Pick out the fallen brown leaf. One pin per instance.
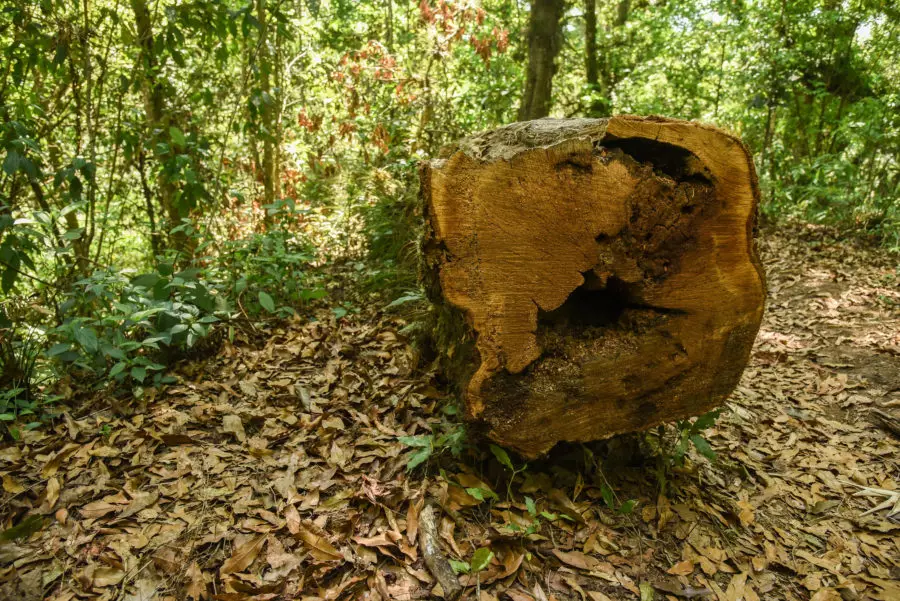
(243, 556)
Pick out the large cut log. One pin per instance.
(591, 276)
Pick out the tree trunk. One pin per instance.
(265, 66)
(591, 67)
(592, 276)
(157, 119)
(544, 42)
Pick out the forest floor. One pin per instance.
(275, 471)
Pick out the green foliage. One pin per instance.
(267, 272)
(691, 433)
(671, 453)
(503, 457)
(452, 440)
(117, 327)
(480, 560)
(28, 526)
(21, 373)
(124, 328)
(537, 520)
(166, 168)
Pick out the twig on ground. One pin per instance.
(885, 420)
(429, 543)
(891, 502)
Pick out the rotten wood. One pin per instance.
(592, 276)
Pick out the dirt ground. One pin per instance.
(276, 471)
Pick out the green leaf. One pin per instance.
(403, 300)
(87, 338)
(139, 315)
(339, 312)
(417, 441)
(417, 458)
(9, 278)
(530, 506)
(147, 280)
(679, 451)
(503, 457)
(188, 274)
(165, 268)
(608, 496)
(113, 352)
(12, 161)
(313, 293)
(138, 373)
(627, 507)
(703, 446)
(481, 493)
(176, 135)
(460, 567)
(23, 529)
(266, 301)
(117, 369)
(481, 559)
(705, 421)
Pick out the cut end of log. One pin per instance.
(601, 275)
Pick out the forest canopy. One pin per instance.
(173, 167)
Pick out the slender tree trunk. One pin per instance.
(389, 25)
(280, 84)
(71, 217)
(600, 73)
(591, 68)
(157, 119)
(148, 200)
(544, 42)
(264, 64)
(719, 79)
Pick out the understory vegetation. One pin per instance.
(228, 371)
(179, 170)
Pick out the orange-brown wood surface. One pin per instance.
(605, 269)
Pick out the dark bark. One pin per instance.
(544, 43)
(267, 137)
(590, 44)
(599, 106)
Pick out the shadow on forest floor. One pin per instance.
(275, 472)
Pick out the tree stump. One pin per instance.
(592, 276)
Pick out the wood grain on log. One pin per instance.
(603, 271)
